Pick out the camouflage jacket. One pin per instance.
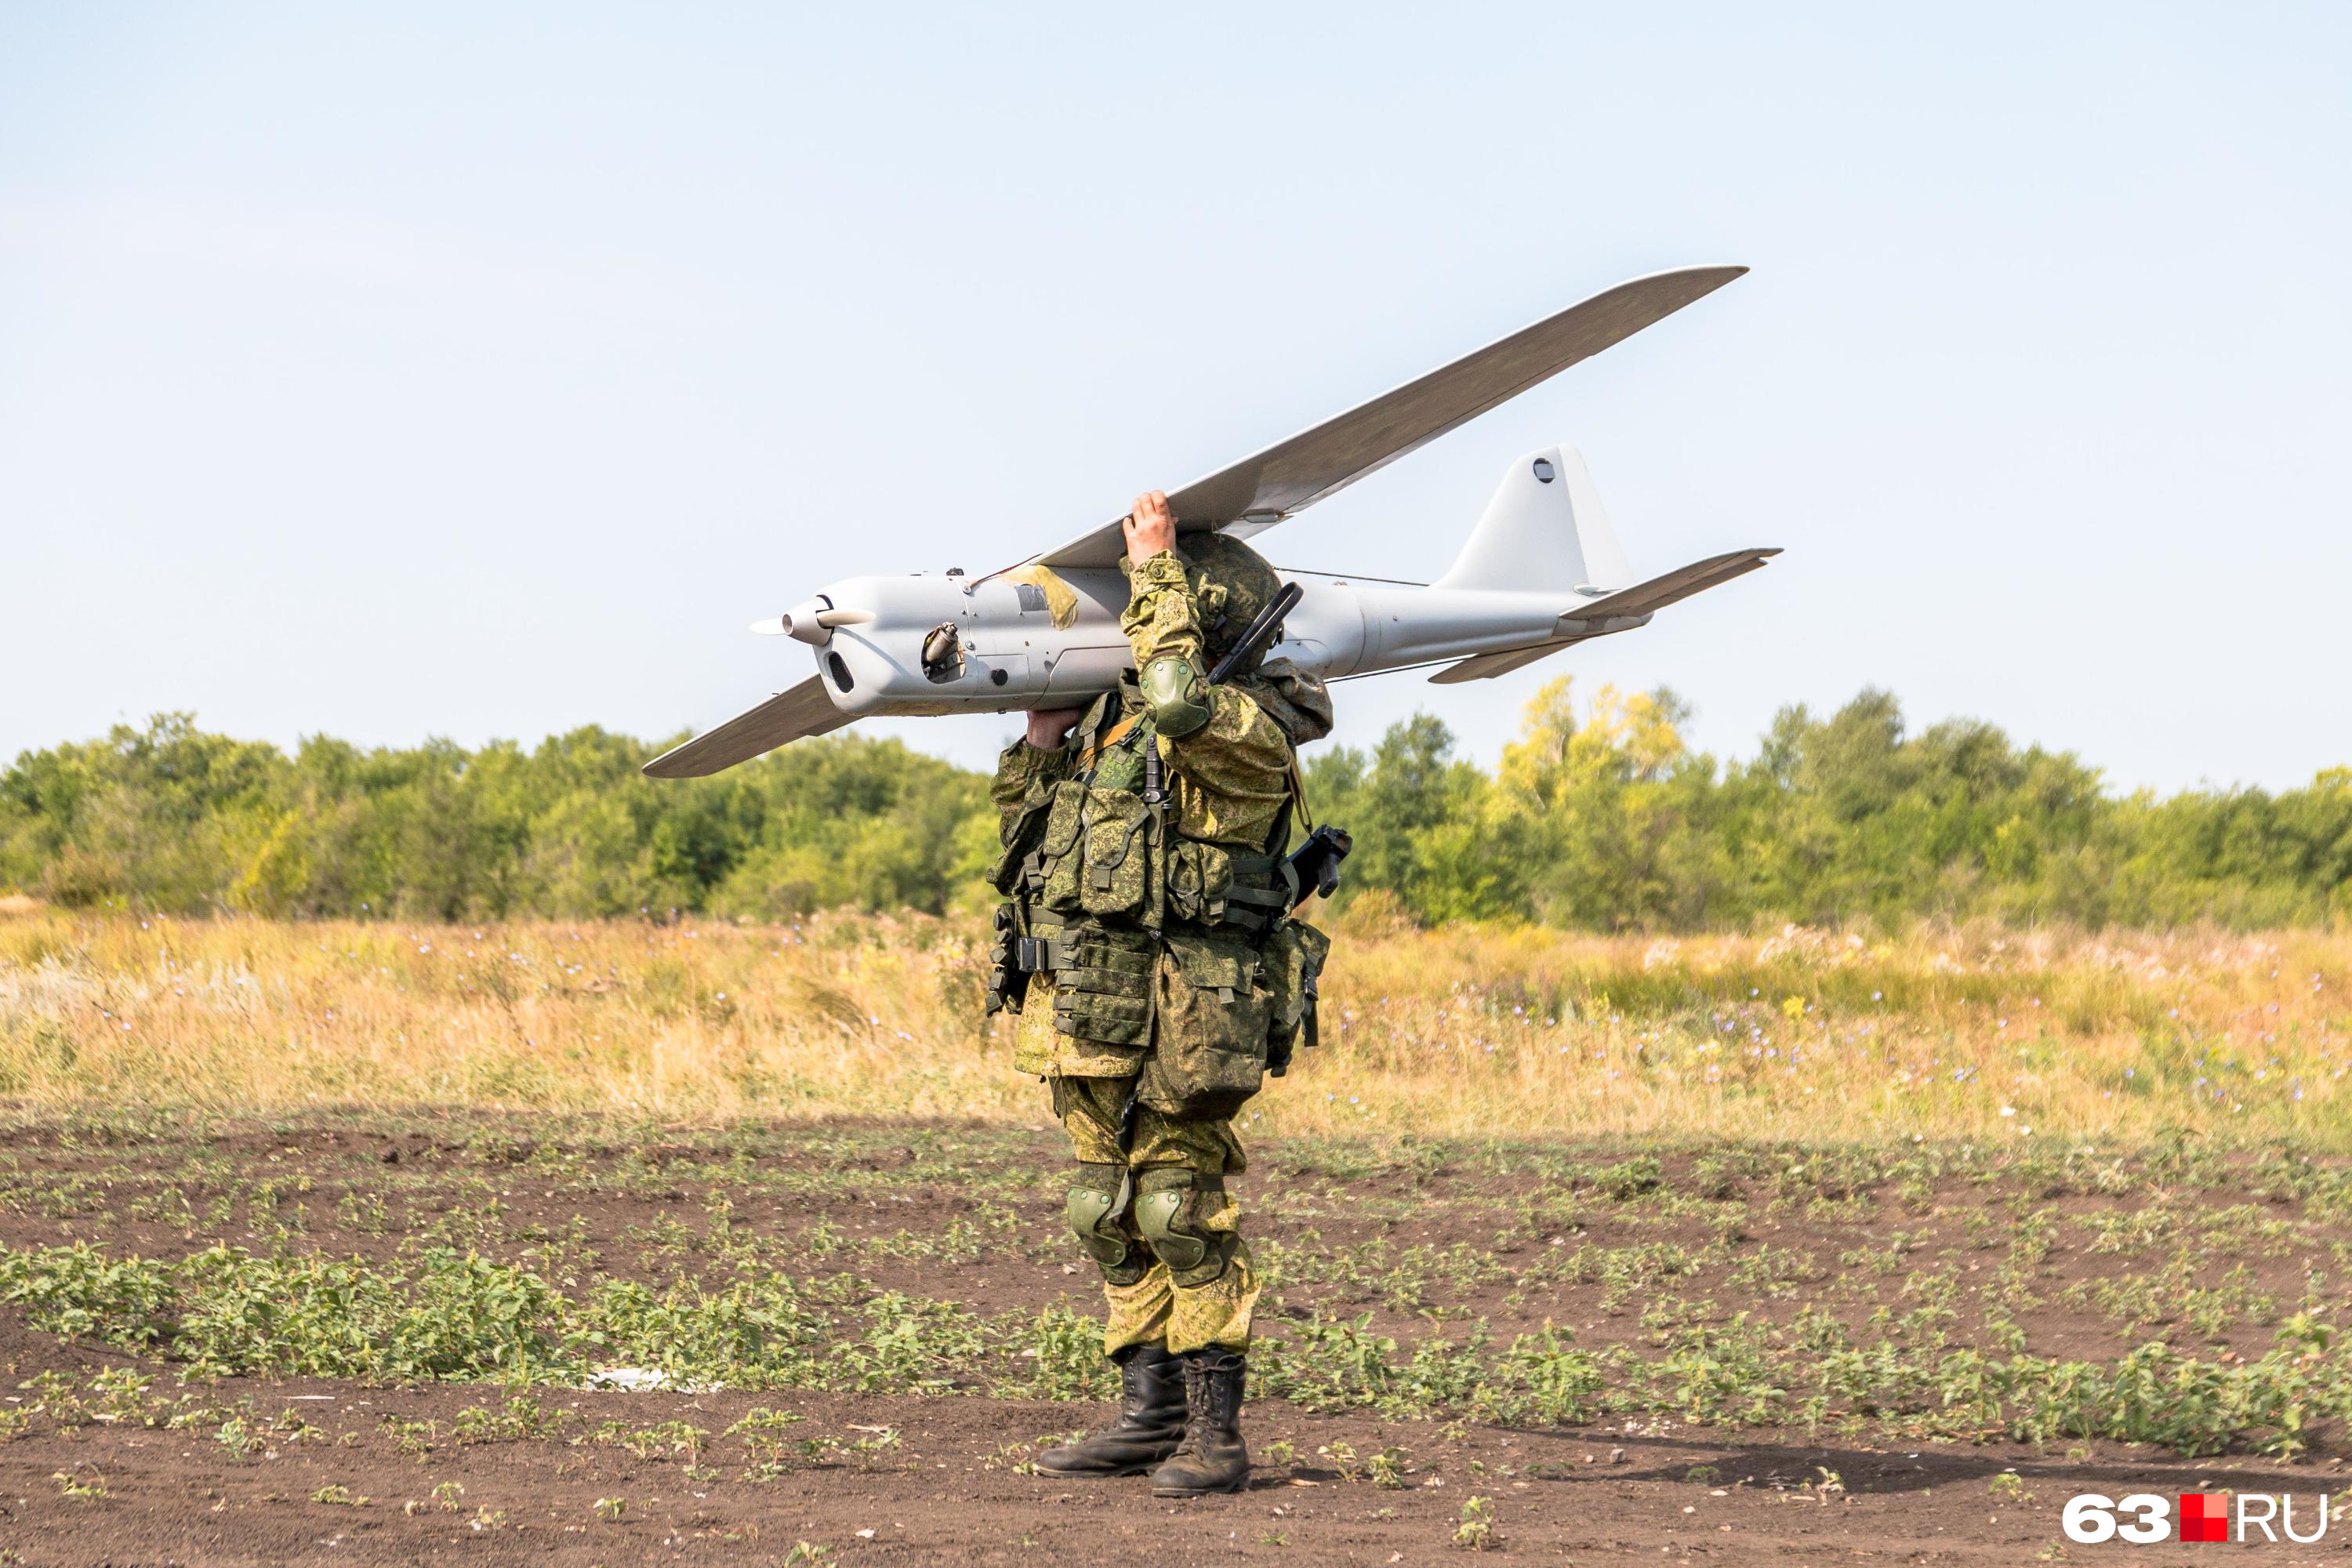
(1228, 783)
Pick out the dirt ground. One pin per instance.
(1423, 1239)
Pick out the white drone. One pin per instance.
(1541, 572)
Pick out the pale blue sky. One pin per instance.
(479, 371)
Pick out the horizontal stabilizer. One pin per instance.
(1267, 486)
(805, 709)
(1636, 603)
(1676, 586)
(1487, 666)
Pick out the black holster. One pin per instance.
(1008, 977)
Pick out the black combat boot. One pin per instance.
(1213, 1458)
(1151, 1420)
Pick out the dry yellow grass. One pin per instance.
(1463, 1032)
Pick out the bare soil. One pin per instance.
(953, 1486)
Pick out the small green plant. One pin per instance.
(237, 1436)
(872, 1450)
(363, 1212)
(610, 1509)
(1387, 1468)
(83, 1482)
(1476, 1530)
(412, 1439)
(1703, 1474)
(2008, 1487)
(341, 1495)
(447, 1494)
(805, 1555)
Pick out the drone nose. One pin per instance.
(812, 623)
(803, 622)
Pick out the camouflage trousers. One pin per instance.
(1156, 1308)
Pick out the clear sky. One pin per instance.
(480, 371)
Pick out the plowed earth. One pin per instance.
(1427, 1240)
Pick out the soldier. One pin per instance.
(1147, 950)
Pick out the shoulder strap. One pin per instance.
(1092, 752)
(1298, 791)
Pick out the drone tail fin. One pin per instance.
(1545, 529)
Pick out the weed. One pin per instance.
(1476, 1530)
(415, 1439)
(83, 1482)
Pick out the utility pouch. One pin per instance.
(1198, 874)
(1214, 1005)
(1102, 984)
(1115, 855)
(1008, 977)
(1294, 953)
(1052, 870)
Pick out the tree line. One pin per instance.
(1597, 818)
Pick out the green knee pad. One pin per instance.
(1167, 1211)
(1098, 1193)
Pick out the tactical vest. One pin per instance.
(1099, 884)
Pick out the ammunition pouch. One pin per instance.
(1199, 876)
(1210, 885)
(1096, 855)
(1102, 982)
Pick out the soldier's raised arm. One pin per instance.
(1218, 737)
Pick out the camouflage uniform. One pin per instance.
(1164, 977)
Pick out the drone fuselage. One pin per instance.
(934, 645)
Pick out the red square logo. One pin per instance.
(2204, 1516)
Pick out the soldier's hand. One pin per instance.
(1151, 527)
(1049, 730)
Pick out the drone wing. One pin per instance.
(804, 710)
(1262, 488)
(1643, 599)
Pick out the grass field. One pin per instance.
(1573, 1244)
(1802, 1034)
